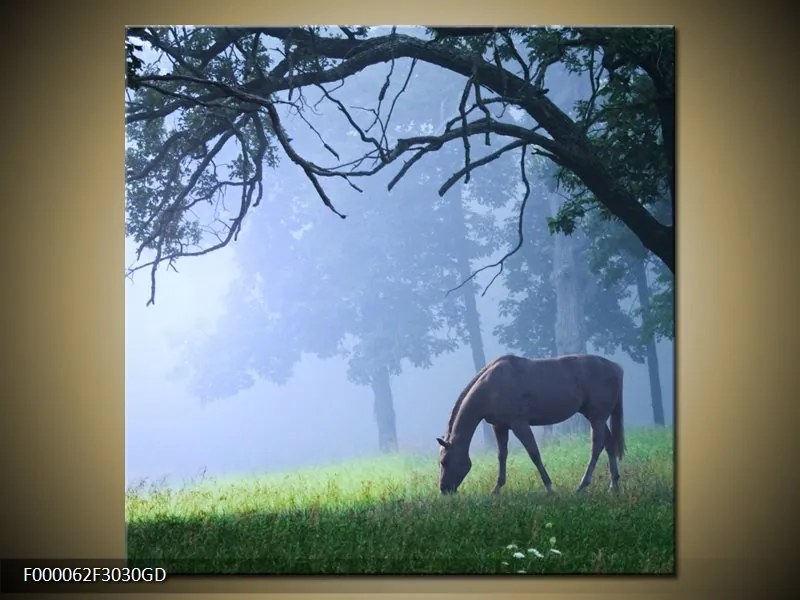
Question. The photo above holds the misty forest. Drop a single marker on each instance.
(330, 231)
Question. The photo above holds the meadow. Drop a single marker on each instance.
(385, 515)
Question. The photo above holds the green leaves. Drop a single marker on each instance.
(132, 64)
(567, 217)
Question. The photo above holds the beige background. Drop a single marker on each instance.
(62, 298)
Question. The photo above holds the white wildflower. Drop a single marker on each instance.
(553, 541)
(548, 525)
(511, 547)
(504, 563)
(521, 571)
(536, 552)
(519, 555)
(554, 551)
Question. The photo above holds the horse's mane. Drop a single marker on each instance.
(461, 397)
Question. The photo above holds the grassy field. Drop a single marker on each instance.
(385, 515)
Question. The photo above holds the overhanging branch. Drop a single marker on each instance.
(520, 236)
(563, 140)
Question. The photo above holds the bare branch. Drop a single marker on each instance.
(501, 262)
(307, 167)
(397, 97)
(465, 136)
(483, 107)
(478, 163)
(565, 143)
(362, 134)
(431, 147)
(317, 133)
(526, 74)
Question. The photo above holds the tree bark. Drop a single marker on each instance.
(384, 411)
(652, 357)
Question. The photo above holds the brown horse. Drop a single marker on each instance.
(512, 392)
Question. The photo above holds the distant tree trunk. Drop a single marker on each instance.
(652, 358)
(476, 345)
(545, 432)
(569, 275)
(384, 411)
(567, 279)
(472, 317)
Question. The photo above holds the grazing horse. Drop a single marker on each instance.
(512, 392)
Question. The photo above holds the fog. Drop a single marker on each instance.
(321, 417)
(318, 416)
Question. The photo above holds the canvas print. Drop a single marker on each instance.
(400, 299)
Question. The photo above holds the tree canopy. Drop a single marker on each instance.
(207, 93)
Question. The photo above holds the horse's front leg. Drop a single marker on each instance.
(501, 434)
(523, 431)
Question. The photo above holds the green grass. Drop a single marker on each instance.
(385, 515)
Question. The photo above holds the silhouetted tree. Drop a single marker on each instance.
(214, 88)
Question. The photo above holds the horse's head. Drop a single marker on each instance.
(453, 467)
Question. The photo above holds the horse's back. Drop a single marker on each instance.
(599, 380)
(579, 365)
(549, 390)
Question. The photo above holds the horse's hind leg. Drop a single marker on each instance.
(501, 434)
(525, 435)
(598, 442)
(612, 460)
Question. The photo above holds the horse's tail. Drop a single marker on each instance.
(617, 426)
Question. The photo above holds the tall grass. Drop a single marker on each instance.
(385, 515)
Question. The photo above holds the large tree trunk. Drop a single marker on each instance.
(570, 335)
(652, 358)
(384, 411)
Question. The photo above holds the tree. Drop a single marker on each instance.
(546, 309)
(372, 292)
(623, 263)
(219, 87)
(311, 287)
(636, 140)
(603, 276)
(473, 237)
